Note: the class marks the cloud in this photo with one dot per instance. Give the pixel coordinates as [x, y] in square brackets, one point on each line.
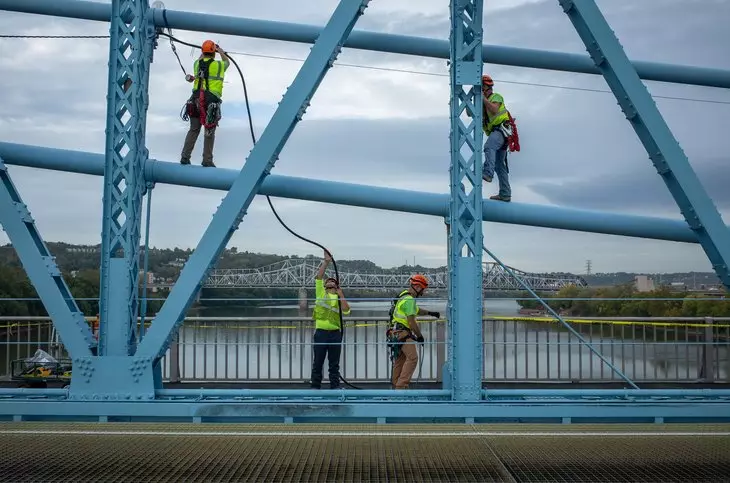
[387, 129]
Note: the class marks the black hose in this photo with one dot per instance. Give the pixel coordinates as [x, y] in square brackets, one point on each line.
[253, 138]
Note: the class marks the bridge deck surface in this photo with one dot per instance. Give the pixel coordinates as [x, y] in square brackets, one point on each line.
[519, 453]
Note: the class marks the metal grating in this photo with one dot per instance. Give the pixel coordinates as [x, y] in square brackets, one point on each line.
[219, 453]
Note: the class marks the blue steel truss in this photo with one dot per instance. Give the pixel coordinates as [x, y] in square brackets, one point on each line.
[465, 217]
[123, 381]
[665, 152]
[130, 53]
[42, 270]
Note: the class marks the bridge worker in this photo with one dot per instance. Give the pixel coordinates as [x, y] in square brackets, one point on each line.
[406, 330]
[328, 332]
[496, 124]
[208, 81]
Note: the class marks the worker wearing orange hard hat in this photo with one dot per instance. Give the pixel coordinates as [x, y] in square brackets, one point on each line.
[208, 78]
[497, 124]
[405, 331]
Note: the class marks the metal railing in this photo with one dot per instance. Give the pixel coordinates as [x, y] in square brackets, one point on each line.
[516, 349]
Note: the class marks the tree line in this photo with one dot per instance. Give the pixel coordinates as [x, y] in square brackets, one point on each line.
[683, 304]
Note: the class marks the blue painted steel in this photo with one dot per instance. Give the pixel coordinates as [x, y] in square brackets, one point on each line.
[668, 157]
[366, 40]
[113, 378]
[130, 54]
[362, 195]
[303, 393]
[257, 167]
[465, 213]
[562, 321]
[143, 309]
[41, 268]
[390, 411]
[500, 395]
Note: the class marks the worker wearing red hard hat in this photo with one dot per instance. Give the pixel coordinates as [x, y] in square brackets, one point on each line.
[405, 329]
[498, 126]
[209, 75]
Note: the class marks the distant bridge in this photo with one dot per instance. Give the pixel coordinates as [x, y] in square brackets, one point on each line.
[298, 273]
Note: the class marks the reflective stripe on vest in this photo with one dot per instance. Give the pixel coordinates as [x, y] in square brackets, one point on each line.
[327, 313]
[398, 316]
[498, 119]
[215, 77]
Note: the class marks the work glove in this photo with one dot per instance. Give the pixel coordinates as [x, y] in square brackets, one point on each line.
[420, 339]
[435, 314]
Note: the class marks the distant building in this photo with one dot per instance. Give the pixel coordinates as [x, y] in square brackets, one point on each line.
[150, 277]
[643, 283]
[678, 287]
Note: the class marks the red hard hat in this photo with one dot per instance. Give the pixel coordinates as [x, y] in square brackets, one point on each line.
[487, 81]
[208, 47]
[420, 280]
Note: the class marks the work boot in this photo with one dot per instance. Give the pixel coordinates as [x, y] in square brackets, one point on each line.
[184, 161]
[501, 198]
[208, 164]
[486, 178]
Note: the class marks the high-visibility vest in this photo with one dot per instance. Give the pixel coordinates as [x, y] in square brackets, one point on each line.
[216, 71]
[326, 313]
[501, 115]
[399, 317]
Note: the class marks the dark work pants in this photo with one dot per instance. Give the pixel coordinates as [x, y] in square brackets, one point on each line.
[327, 343]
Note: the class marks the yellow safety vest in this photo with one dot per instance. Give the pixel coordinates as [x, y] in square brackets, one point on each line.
[399, 317]
[216, 73]
[501, 116]
[326, 310]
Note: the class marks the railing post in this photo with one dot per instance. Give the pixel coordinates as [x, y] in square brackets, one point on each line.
[175, 359]
[440, 350]
[707, 366]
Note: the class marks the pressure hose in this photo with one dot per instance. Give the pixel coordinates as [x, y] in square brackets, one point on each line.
[253, 139]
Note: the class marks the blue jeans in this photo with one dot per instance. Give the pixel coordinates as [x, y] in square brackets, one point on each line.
[327, 344]
[495, 160]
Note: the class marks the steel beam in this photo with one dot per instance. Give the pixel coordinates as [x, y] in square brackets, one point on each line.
[408, 411]
[362, 195]
[375, 41]
[130, 52]
[668, 157]
[257, 167]
[465, 210]
[41, 268]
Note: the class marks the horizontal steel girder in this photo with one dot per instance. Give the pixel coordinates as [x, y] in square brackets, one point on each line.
[365, 40]
[380, 411]
[362, 195]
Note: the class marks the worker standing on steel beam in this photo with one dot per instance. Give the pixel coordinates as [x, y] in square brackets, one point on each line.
[327, 337]
[406, 332]
[203, 107]
[497, 124]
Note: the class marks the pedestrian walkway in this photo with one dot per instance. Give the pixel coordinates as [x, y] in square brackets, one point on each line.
[276, 452]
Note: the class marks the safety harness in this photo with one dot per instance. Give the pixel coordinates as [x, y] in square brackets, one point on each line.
[394, 343]
[208, 112]
[508, 128]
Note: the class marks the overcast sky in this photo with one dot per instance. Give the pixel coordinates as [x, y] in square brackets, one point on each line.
[388, 129]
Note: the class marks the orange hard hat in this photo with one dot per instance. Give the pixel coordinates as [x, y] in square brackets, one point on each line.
[420, 280]
[487, 81]
[208, 47]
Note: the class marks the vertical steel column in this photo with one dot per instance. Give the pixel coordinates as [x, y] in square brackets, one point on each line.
[130, 54]
[465, 217]
[258, 165]
[39, 264]
[668, 157]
